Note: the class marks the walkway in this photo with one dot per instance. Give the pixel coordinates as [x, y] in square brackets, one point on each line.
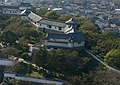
[107, 66]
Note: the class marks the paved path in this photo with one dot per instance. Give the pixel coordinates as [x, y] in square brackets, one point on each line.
[107, 66]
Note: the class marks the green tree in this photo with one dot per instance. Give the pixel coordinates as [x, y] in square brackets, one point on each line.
[41, 12]
[65, 17]
[21, 68]
[113, 58]
[10, 51]
[97, 77]
[26, 56]
[40, 57]
[8, 37]
[110, 33]
[52, 15]
[86, 24]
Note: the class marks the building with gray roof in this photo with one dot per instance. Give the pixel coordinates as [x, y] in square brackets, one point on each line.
[14, 9]
[69, 41]
[45, 24]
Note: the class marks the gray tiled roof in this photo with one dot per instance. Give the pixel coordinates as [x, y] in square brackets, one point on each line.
[52, 23]
[72, 37]
[8, 7]
[34, 17]
[25, 4]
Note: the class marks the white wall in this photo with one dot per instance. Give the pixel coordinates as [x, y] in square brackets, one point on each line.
[23, 8]
[79, 44]
[9, 75]
[52, 27]
[68, 29]
[69, 45]
[11, 12]
[58, 44]
[6, 62]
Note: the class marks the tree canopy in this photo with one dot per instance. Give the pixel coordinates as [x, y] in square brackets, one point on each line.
[113, 57]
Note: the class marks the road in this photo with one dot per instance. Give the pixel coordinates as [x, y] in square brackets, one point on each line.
[107, 66]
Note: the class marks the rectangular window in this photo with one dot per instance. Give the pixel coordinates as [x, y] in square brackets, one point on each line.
[60, 28]
[49, 26]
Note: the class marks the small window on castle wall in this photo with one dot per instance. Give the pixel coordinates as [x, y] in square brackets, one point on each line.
[60, 28]
[49, 26]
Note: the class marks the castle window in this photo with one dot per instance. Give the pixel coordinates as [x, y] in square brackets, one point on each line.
[60, 28]
[49, 26]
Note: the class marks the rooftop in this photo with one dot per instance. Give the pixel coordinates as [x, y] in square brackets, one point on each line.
[72, 37]
[8, 7]
[53, 23]
[34, 17]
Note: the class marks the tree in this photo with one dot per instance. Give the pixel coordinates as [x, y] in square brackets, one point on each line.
[86, 24]
[1, 73]
[40, 57]
[68, 62]
[26, 56]
[110, 33]
[65, 17]
[52, 15]
[97, 77]
[113, 57]
[2, 54]
[8, 37]
[21, 68]
[41, 12]
[3, 83]
[28, 33]
[10, 51]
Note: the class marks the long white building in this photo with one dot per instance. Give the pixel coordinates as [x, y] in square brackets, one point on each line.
[32, 79]
[50, 25]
